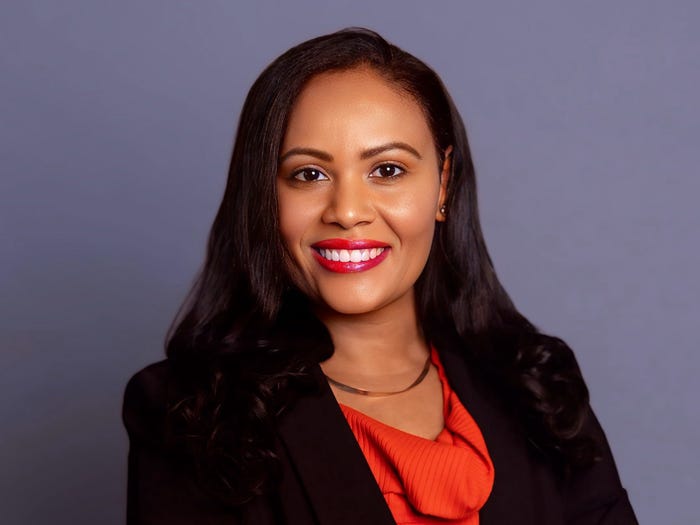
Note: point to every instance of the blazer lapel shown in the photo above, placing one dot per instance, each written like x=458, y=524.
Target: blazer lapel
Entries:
x=329, y=462
x=340, y=486
x=512, y=497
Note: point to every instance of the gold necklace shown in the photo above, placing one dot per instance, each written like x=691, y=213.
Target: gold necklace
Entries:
x=360, y=391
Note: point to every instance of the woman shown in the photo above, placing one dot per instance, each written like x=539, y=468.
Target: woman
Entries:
x=347, y=354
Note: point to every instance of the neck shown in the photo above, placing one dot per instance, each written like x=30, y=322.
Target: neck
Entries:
x=385, y=340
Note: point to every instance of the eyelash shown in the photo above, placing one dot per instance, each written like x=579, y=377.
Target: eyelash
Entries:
x=297, y=175
x=396, y=168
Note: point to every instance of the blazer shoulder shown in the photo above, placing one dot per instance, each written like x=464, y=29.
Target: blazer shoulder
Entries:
x=595, y=494
x=145, y=401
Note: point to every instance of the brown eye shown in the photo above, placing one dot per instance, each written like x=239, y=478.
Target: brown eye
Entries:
x=387, y=171
x=309, y=175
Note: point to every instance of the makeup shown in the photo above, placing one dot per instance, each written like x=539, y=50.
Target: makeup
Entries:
x=347, y=256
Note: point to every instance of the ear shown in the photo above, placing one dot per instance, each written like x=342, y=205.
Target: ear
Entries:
x=444, y=179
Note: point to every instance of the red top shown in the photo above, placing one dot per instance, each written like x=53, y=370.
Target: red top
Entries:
x=444, y=481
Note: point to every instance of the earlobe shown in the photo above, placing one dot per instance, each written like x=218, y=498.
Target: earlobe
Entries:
x=441, y=214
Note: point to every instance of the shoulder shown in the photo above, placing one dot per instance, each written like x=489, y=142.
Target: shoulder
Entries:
x=145, y=401
x=596, y=492
x=526, y=475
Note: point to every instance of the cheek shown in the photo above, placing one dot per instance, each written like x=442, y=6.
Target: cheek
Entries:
x=291, y=220
x=293, y=224
x=413, y=217
x=298, y=213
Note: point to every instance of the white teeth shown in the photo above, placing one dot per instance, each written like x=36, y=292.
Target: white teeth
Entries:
x=350, y=255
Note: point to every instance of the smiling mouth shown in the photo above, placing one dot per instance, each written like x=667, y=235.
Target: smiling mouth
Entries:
x=354, y=256
x=346, y=256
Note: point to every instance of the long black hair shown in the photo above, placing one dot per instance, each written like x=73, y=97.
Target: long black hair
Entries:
x=245, y=342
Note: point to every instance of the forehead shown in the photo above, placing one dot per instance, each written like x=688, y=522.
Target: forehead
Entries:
x=358, y=105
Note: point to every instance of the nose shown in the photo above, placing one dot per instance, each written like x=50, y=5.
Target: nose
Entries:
x=350, y=203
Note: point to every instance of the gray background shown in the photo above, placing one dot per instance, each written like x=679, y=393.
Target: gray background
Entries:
x=116, y=123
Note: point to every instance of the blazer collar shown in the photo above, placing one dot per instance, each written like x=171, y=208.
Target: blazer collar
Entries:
x=513, y=493
x=329, y=462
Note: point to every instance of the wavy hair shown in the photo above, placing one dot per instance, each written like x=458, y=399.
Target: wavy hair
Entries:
x=244, y=343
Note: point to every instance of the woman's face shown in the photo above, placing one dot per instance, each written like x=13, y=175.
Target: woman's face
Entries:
x=359, y=191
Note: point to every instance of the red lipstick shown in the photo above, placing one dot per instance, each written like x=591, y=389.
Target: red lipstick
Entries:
x=346, y=255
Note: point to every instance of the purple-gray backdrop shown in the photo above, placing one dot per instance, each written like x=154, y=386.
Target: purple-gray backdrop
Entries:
x=116, y=122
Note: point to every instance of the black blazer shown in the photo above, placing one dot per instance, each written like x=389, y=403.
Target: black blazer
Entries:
x=326, y=480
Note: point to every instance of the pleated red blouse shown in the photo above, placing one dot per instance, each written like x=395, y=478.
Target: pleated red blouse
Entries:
x=445, y=481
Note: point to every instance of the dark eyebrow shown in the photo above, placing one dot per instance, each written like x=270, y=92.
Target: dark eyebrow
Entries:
x=367, y=154
x=307, y=151
x=373, y=152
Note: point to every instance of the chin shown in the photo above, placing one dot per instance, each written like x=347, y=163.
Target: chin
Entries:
x=361, y=304
x=352, y=307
